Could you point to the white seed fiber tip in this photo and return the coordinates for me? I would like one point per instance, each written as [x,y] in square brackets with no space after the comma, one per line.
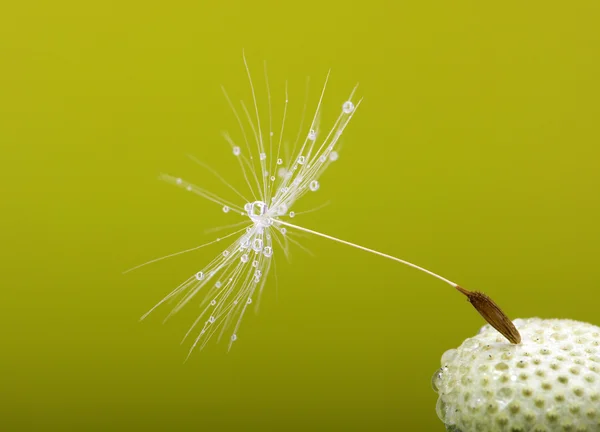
[548,382]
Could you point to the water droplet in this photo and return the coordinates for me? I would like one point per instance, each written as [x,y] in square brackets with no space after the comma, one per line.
[292,214]
[333,156]
[249,301]
[226,209]
[218,284]
[257,245]
[301,160]
[188,188]
[254,263]
[268,252]
[178,181]
[225,254]
[199,275]
[213,302]
[236,151]
[235,302]
[348,107]
[283,231]
[312,135]
[234,336]
[282,209]
[279,161]
[211,319]
[263,156]
[322,158]
[272,178]
[314,185]
[245,244]
[244,258]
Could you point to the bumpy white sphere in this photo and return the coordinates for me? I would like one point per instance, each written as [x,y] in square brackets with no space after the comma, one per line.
[549,382]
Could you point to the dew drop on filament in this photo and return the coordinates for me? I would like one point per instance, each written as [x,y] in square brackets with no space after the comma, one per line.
[268,252]
[314,185]
[348,107]
[236,151]
[312,135]
[257,245]
[333,156]
[226,209]
[199,276]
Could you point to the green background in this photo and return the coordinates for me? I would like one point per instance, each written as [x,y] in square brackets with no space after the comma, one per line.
[475,154]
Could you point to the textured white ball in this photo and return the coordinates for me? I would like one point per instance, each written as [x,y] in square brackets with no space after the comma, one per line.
[549,382]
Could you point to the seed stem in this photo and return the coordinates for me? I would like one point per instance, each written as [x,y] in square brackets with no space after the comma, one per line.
[486,307]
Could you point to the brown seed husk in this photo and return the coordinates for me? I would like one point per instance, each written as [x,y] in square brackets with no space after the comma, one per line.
[492,313]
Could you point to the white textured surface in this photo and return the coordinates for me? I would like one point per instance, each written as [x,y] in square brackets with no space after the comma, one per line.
[549,382]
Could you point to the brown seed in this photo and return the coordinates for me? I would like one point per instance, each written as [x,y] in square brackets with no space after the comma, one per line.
[492,313]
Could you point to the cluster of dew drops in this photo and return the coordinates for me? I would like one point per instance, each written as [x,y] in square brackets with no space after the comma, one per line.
[263,218]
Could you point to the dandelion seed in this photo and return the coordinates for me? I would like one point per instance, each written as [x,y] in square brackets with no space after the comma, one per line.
[265,227]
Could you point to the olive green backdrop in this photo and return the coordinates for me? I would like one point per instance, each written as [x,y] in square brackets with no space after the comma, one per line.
[475,153]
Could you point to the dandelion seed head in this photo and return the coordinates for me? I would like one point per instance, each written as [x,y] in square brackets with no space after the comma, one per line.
[272,188]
